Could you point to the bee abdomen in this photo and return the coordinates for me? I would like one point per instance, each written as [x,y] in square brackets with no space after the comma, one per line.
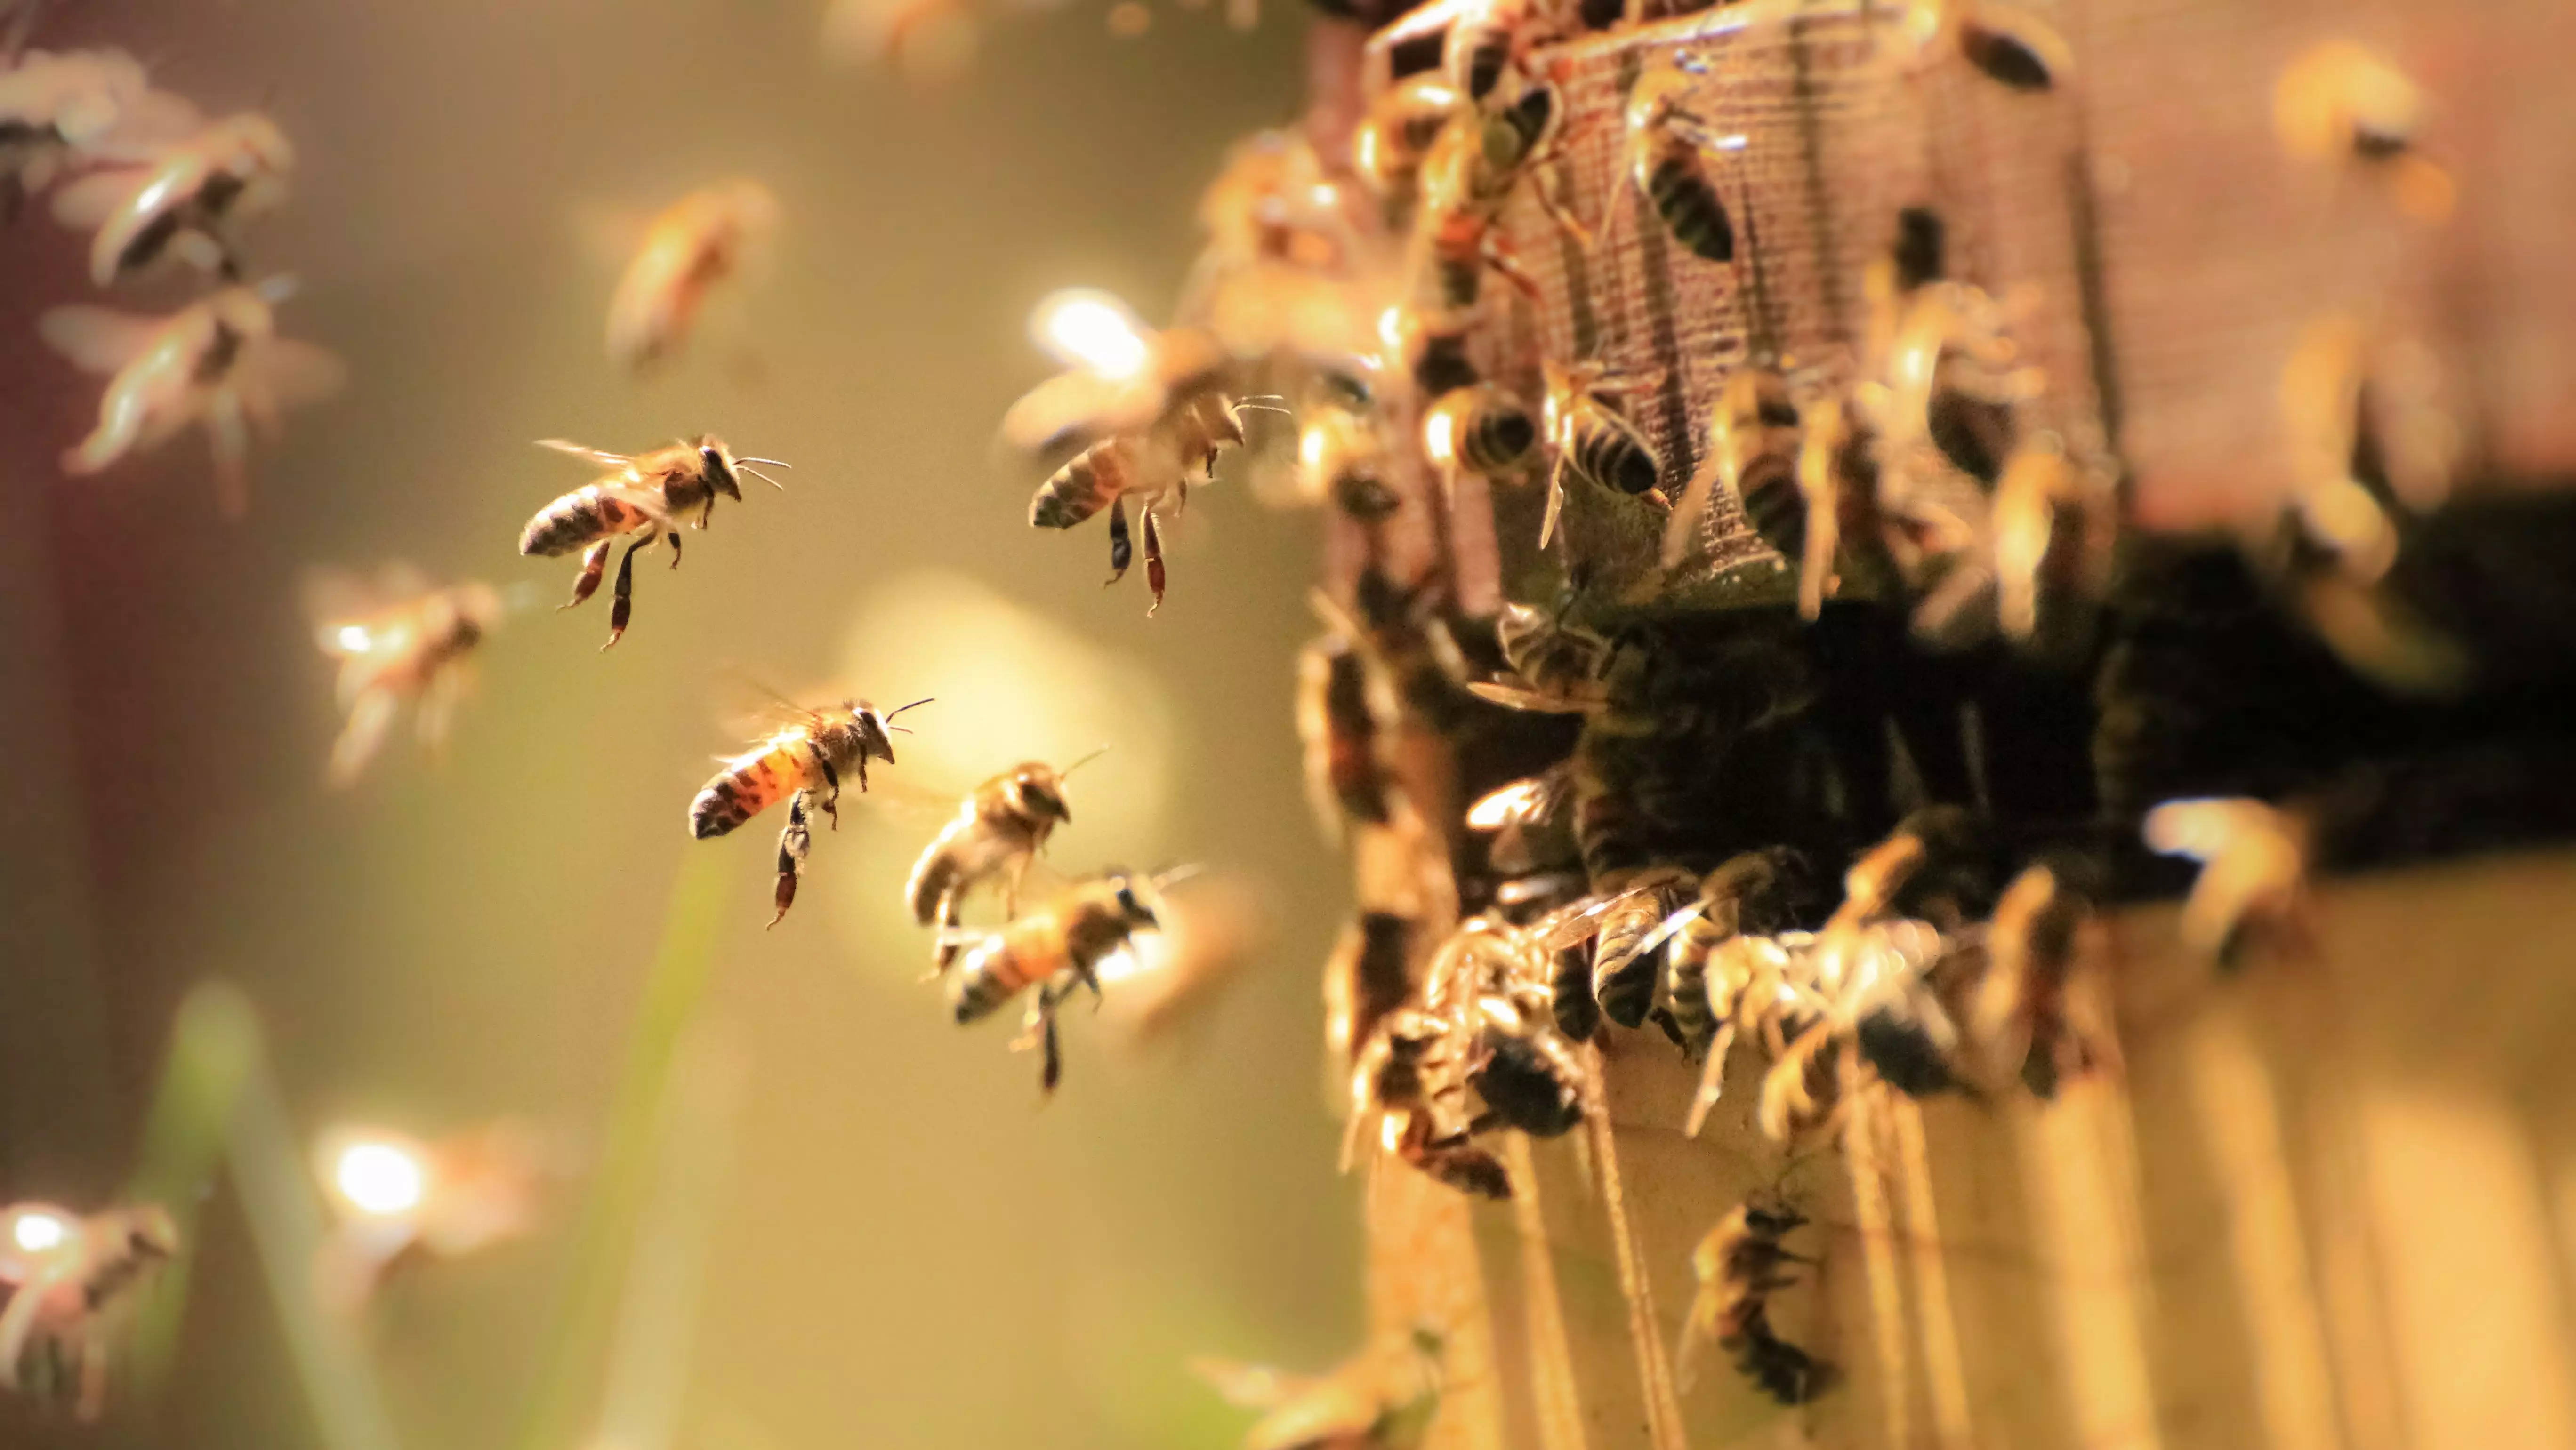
[1614,457]
[932,881]
[735,797]
[1082,487]
[1775,508]
[1497,439]
[575,521]
[987,978]
[1690,206]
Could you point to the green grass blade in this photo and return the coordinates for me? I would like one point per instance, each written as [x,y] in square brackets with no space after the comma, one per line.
[214,1046]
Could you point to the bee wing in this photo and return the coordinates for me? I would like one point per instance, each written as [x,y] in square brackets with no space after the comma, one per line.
[1080,406]
[597,457]
[146,125]
[1521,697]
[286,373]
[98,339]
[335,596]
[1253,1386]
[86,204]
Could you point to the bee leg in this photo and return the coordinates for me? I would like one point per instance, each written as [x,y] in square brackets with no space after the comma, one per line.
[946,951]
[673,539]
[1037,1029]
[594,567]
[1712,1078]
[622,606]
[830,802]
[793,844]
[1121,549]
[707,515]
[1498,254]
[369,718]
[1153,560]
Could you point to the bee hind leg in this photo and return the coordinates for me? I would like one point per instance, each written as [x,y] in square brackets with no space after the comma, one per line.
[673,539]
[830,801]
[1121,547]
[594,567]
[622,606]
[1153,561]
[793,845]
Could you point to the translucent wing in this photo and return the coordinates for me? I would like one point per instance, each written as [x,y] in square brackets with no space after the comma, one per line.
[291,374]
[1079,406]
[1253,1386]
[598,457]
[1521,697]
[86,204]
[98,339]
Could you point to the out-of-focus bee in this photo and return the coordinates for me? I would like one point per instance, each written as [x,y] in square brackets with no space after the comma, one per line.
[2054,528]
[72,1280]
[1753,453]
[1837,475]
[2253,874]
[1481,429]
[1209,928]
[1055,948]
[1740,1264]
[2003,42]
[218,363]
[189,201]
[1513,810]
[1931,866]
[1383,1398]
[1592,440]
[1430,348]
[1342,456]
[398,1200]
[997,833]
[804,761]
[1668,148]
[1393,138]
[1409,1080]
[1556,668]
[1367,977]
[1474,165]
[1146,466]
[398,639]
[1121,376]
[1803,1088]
[647,495]
[2339,103]
[1951,381]
[1340,701]
[1623,970]
[2022,1018]
[698,242]
[82,107]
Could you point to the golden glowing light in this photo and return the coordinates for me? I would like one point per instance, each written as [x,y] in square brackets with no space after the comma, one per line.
[1083,327]
[1311,443]
[39,1232]
[1390,330]
[1501,807]
[380,1177]
[353,638]
[1440,437]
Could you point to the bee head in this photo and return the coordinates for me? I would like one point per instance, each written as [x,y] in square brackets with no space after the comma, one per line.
[1130,905]
[717,464]
[1037,792]
[875,738]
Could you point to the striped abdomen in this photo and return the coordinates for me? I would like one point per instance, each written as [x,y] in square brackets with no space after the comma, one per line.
[579,519]
[1688,202]
[939,873]
[1085,485]
[1487,431]
[1686,991]
[1610,451]
[999,967]
[746,788]
[1623,980]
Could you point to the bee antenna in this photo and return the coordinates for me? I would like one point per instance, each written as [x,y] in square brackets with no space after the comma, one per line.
[745,465]
[1174,876]
[1079,764]
[890,714]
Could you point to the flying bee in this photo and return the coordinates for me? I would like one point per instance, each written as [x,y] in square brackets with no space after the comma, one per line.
[1740,1264]
[1752,452]
[2005,44]
[1668,148]
[1481,429]
[1382,1398]
[83,107]
[1592,440]
[398,1200]
[1340,701]
[2253,873]
[72,1281]
[1393,137]
[218,363]
[647,495]
[803,760]
[2339,103]
[1146,466]
[189,201]
[1055,948]
[997,833]
[1121,376]
[398,640]
[693,246]
[2022,1016]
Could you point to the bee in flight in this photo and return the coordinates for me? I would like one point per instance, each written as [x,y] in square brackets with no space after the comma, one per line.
[1146,466]
[701,240]
[646,495]
[188,201]
[73,109]
[998,832]
[1055,948]
[217,362]
[399,1200]
[803,760]
[397,639]
[71,1281]
[1382,1398]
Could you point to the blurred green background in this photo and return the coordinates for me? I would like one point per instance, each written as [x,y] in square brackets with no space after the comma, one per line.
[908,1250]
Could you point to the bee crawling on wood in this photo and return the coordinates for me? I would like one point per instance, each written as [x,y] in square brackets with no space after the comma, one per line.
[398,640]
[997,833]
[1740,1264]
[1556,667]
[1725,974]
[1408,1080]
[803,761]
[647,495]
[73,1281]
[217,362]
[188,200]
[1054,948]
[2253,874]
[1802,1089]
[1383,1398]
[1668,149]
[1878,954]
[1753,448]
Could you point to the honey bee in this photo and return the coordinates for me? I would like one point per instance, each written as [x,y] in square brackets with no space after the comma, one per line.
[1340,701]
[1481,429]
[803,761]
[398,640]
[2339,103]
[1837,474]
[998,832]
[1667,153]
[1512,810]
[398,1200]
[2053,529]
[1759,986]
[1383,1398]
[698,242]
[2253,874]
[1752,452]
[2022,1017]
[218,363]
[1145,466]
[1396,134]
[1367,977]
[1471,170]
[1408,1078]
[1802,1090]
[75,108]
[1624,978]
[72,1282]
[1930,866]
[2005,44]
[1132,380]
[1055,948]
[1952,380]
[1594,441]
[188,201]
[1740,1264]
[1746,894]
[1342,455]
[647,495]
[1431,348]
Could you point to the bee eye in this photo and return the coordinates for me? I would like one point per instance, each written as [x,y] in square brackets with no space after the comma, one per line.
[714,460]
